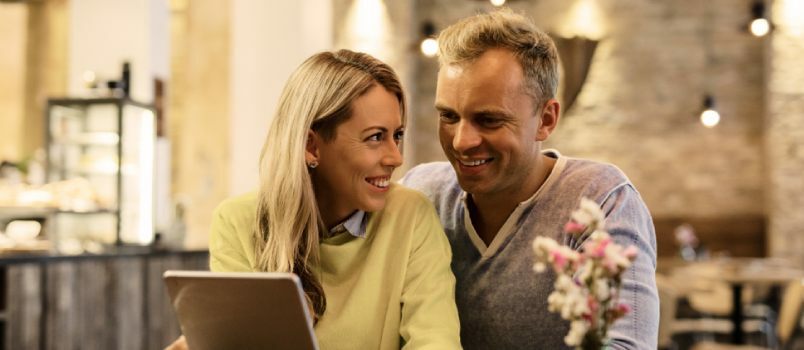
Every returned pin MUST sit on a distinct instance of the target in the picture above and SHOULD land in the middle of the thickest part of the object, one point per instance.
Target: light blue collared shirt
(354, 224)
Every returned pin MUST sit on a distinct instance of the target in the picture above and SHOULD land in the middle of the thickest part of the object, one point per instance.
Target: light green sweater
(389, 290)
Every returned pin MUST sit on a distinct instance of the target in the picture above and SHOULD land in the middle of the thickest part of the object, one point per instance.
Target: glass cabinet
(100, 161)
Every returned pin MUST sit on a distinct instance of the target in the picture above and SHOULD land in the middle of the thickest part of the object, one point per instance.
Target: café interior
(123, 124)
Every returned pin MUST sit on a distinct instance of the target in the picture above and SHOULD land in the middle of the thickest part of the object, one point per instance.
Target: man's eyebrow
(499, 112)
(443, 108)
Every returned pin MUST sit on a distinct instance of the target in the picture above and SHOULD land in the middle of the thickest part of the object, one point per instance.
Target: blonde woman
(373, 259)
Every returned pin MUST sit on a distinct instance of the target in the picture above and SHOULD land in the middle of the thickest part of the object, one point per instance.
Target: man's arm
(629, 223)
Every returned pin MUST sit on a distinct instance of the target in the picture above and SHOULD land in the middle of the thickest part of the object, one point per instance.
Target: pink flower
(588, 281)
(559, 260)
(631, 252)
(623, 308)
(574, 228)
(597, 249)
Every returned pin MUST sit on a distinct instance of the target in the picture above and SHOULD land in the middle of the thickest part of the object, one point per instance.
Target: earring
(312, 164)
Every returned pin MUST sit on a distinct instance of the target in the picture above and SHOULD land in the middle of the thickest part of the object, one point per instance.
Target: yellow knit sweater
(393, 289)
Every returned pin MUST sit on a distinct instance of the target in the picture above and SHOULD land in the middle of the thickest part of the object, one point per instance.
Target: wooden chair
(786, 326)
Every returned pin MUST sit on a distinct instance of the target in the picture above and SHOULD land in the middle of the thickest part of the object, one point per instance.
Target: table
(739, 272)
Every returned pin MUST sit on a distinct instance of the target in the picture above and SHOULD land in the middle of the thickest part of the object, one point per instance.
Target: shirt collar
(355, 225)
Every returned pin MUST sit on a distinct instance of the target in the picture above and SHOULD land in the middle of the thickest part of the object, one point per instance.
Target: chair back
(790, 310)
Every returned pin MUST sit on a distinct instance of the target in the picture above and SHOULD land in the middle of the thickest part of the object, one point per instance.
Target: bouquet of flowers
(588, 281)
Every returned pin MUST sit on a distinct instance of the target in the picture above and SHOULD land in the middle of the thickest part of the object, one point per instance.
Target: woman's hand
(179, 344)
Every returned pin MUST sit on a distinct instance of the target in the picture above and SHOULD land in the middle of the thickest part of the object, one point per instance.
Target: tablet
(249, 310)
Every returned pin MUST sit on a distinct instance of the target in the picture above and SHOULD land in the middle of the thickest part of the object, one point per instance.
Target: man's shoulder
(430, 177)
(585, 173)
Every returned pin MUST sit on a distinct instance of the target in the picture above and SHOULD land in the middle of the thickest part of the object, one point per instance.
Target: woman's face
(355, 167)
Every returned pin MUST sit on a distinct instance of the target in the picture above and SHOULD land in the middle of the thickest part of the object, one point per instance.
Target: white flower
(564, 283)
(578, 329)
(555, 301)
(601, 287)
(589, 214)
(539, 267)
(587, 270)
(575, 303)
(587, 281)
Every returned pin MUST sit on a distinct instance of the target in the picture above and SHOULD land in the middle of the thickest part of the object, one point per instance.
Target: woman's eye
(398, 135)
(375, 137)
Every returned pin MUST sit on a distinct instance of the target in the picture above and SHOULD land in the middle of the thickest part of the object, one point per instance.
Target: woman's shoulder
(237, 209)
(400, 197)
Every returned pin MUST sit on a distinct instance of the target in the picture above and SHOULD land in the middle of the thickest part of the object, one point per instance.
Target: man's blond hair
(468, 39)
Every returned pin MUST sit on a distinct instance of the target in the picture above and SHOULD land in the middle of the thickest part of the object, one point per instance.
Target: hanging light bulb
(497, 3)
(429, 45)
(760, 26)
(709, 117)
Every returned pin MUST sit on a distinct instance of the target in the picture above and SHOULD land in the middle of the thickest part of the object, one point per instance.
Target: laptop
(234, 310)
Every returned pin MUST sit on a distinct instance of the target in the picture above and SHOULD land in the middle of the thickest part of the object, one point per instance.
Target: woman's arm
(429, 315)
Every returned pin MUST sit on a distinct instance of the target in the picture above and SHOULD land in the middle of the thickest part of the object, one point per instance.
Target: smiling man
(496, 104)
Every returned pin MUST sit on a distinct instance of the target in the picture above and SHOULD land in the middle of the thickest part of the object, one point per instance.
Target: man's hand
(179, 344)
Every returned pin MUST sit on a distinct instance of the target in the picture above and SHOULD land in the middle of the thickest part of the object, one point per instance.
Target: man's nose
(466, 137)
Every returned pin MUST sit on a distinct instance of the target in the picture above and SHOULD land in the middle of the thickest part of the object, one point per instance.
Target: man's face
(489, 126)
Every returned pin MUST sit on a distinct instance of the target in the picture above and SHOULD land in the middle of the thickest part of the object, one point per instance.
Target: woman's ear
(311, 153)
(548, 119)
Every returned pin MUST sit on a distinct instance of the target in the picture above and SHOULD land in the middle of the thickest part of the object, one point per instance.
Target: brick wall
(639, 107)
(784, 132)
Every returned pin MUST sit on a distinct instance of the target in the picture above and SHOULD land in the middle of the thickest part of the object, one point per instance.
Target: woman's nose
(393, 156)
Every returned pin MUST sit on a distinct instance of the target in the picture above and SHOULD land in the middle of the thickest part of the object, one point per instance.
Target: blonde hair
(318, 96)
(470, 37)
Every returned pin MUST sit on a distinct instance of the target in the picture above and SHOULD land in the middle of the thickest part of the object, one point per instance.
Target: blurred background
(123, 123)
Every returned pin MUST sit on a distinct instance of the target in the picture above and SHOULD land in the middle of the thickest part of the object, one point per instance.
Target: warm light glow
(584, 20)
(429, 47)
(89, 77)
(104, 165)
(497, 3)
(760, 27)
(102, 138)
(146, 159)
(710, 118)
(792, 16)
(369, 28)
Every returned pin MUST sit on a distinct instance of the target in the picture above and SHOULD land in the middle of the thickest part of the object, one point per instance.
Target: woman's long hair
(318, 96)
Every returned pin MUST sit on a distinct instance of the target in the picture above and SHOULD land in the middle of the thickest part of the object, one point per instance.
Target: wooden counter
(114, 300)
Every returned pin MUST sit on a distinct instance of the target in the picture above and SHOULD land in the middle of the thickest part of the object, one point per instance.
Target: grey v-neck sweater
(502, 303)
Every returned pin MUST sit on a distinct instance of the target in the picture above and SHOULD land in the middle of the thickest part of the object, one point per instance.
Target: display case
(100, 155)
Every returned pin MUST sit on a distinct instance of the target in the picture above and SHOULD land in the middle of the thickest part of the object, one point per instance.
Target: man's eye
(447, 117)
(490, 122)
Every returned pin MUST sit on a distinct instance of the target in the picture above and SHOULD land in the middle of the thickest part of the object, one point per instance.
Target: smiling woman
(357, 163)
(372, 256)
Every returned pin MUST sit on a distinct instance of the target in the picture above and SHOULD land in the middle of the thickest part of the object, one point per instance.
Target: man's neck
(490, 211)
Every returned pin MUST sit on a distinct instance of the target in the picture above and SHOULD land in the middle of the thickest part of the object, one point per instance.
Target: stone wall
(392, 43)
(33, 67)
(198, 123)
(640, 104)
(784, 133)
(12, 84)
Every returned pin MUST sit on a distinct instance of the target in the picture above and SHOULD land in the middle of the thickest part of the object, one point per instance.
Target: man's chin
(472, 186)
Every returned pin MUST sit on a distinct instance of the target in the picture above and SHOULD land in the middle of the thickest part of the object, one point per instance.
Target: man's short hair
(470, 37)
